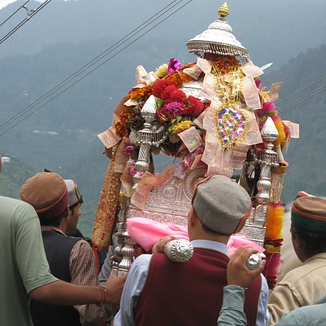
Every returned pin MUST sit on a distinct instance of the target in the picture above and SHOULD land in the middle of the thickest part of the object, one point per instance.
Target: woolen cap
(73, 192)
(309, 213)
(47, 193)
(221, 204)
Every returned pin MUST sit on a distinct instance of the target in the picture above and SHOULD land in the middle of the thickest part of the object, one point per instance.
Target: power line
(94, 61)
(14, 12)
(317, 91)
(30, 14)
(300, 90)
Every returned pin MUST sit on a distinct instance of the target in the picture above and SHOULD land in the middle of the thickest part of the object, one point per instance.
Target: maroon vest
(189, 293)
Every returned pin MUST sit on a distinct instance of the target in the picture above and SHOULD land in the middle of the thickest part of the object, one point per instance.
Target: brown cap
(47, 193)
(221, 204)
(309, 213)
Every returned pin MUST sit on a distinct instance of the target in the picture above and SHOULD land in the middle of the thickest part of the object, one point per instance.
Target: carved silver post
(150, 135)
(144, 138)
(125, 246)
(254, 228)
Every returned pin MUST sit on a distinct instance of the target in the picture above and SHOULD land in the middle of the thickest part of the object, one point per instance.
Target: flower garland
(175, 109)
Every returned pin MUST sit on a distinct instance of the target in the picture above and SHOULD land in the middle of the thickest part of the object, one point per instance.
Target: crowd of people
(49, 277)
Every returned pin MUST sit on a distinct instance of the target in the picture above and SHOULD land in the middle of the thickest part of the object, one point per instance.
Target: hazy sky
(3, 3)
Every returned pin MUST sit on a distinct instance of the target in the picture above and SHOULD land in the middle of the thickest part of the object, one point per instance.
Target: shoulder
(81, 245)
(313, 315)
(303, 273)
(17, 207)
(142, 261)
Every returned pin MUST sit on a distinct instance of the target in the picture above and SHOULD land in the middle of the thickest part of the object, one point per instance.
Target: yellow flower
(161, 71)
(181, 126)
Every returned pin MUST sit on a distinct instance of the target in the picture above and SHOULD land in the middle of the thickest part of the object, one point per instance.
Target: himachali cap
(309, 213)
(221, 204)
(47, 193)
(218, 39)
(73, 192)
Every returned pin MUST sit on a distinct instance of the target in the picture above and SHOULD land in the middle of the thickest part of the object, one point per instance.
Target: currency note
(109, 137)
(250, 92)
(273, 92)
(293, 128)
(191, 138)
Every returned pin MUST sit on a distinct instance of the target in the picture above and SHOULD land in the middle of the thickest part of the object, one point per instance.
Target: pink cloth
(147, 232)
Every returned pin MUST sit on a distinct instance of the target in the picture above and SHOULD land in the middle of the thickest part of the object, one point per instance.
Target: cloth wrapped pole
(107, 208)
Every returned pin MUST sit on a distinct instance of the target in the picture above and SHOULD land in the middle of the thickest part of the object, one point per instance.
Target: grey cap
(73, 191)
(221, 204)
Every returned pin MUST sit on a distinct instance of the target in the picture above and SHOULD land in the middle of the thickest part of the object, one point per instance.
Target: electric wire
(14, 12)
(91, 63)
(300, 90)
(85, 67)
(30, 14)
(315, 92)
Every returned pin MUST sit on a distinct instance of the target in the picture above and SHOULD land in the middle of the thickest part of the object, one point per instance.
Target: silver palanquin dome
(218, 39)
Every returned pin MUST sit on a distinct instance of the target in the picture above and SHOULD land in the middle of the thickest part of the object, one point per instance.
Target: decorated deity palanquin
(214, 117)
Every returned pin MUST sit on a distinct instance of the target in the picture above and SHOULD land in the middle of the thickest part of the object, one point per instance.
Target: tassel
(274, 221)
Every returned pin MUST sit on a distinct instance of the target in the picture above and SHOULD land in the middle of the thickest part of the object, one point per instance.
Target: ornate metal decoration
(218, 39)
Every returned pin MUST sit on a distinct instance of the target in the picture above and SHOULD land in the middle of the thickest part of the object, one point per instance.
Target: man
(70, 259)
(303, 285)
(24, 270)
(74, 211)
(240, 277)
(161, 292)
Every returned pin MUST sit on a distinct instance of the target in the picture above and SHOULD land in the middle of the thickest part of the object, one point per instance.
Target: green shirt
(23, 265)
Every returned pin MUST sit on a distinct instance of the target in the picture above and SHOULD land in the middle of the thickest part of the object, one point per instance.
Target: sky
(4, 3)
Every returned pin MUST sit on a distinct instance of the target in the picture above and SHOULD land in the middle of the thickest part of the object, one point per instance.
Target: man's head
(221, 205)
(74, 202)
(47, 193)
(308, 228)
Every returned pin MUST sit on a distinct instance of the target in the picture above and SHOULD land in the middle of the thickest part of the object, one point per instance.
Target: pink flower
(173, 65)
(174, 109)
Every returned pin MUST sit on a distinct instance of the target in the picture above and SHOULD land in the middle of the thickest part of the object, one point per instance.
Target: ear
(192, 217)
(66, 213)
(299, 242)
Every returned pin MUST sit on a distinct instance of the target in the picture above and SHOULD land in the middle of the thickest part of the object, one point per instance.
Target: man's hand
(237, 271)
(114, 286)
(159, 246)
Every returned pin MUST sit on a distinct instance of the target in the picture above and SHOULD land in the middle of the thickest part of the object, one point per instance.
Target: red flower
(178, 96)
(193, 106)
(159, 87)
(166, 94)
(163, 115)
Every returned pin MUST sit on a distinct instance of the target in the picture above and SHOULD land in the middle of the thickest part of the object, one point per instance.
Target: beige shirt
(300, 287)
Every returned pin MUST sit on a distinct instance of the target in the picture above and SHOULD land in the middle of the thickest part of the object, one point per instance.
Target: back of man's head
(47, 193)
(308, 218)
(221, 204)
(309, 213)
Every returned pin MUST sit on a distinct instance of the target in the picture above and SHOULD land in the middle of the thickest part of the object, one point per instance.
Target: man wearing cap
(70, 259)
(24, 270)
(306, 284)
(161, 292)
